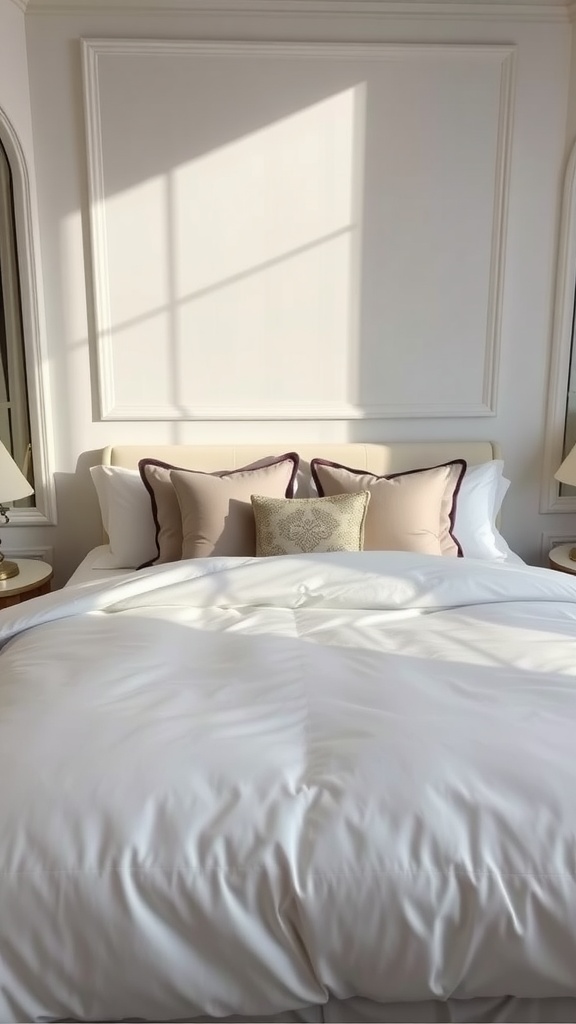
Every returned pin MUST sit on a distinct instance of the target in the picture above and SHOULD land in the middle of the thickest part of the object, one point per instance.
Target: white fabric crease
(247, 786)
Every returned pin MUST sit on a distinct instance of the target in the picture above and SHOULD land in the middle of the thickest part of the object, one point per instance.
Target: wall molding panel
(44, 553)
(500, 224)
(552, 540)
(264, 297)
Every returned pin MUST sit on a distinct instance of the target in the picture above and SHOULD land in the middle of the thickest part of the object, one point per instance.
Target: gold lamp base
(8, 569)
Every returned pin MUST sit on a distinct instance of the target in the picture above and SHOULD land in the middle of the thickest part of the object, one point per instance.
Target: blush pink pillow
(217, 514)
(412, 511)
(166, 512)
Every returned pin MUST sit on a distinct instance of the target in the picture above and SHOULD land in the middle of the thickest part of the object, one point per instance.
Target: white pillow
(127, 517)
(506, 552)
(478, 503)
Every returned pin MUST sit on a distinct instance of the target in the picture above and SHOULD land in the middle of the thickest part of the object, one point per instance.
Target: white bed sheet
(259, 785)
(89, 572)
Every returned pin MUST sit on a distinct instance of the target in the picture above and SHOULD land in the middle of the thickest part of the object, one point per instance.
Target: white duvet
(245, 786)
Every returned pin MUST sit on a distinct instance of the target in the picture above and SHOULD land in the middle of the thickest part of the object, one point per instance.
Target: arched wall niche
(43, 509)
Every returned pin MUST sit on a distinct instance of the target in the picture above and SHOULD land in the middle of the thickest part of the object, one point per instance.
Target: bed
(327, 786)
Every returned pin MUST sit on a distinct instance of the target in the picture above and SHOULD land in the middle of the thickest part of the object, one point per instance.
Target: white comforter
(246, 785)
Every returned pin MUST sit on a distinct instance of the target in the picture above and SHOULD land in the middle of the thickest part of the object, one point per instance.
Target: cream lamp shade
(566, 474)
(13, 485)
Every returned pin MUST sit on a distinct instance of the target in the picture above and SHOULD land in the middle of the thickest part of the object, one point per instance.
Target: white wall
(538, 144)
(14, 92)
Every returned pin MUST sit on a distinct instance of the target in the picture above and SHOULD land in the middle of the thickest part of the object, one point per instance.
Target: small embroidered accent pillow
(292, 526)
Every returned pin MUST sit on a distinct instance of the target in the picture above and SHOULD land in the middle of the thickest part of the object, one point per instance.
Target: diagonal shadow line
(227, 282)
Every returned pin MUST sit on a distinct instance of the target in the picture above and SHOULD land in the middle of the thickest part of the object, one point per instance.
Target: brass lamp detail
(13, 485)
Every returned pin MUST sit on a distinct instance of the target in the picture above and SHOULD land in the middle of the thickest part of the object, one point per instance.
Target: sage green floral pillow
(291, 526)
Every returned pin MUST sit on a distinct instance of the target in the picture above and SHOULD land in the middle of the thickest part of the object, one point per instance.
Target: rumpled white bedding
(247, 786)
(89, 569)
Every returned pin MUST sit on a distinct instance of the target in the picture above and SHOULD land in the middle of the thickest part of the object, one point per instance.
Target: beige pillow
(216, 512)
(290, 527)
(412, 511)
(166, 509)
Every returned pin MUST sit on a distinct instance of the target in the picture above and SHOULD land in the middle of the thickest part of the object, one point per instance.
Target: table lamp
(13, 485)
(566, 474)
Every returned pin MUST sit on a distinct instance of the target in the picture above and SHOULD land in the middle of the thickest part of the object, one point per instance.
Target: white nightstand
(32, 580)
(558, 558)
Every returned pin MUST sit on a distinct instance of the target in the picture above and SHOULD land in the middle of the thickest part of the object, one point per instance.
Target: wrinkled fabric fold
(249, 786)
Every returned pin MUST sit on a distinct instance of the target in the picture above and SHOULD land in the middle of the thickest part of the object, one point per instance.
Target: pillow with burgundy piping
(412, 511)
(216, 511)
(156, 476)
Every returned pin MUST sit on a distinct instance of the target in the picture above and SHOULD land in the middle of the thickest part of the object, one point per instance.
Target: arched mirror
(14, 409)
(569, 439)
(24, 412)
(561, 420)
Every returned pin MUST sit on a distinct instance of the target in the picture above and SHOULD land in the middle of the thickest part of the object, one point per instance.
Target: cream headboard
(375, 458)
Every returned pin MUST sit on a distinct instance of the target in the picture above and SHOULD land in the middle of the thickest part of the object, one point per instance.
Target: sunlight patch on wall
(241, 274)
(264, 197)
(140, 285)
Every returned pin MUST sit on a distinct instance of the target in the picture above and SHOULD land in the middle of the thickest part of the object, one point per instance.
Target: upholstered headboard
(375, 458)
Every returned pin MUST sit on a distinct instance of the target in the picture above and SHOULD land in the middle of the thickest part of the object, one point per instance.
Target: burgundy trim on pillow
(393, 476)
(260, 464)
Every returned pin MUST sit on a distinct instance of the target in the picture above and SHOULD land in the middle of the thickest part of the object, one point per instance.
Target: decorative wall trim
(42, 553)
(550, 498)
(308, 411)
(499, 231)
(99, 261)
(526, 10)
(36, 357)
(110, 407)
(551, 540)
(95, 48)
